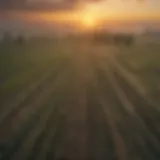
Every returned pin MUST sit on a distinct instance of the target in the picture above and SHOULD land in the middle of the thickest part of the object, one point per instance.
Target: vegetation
(70, 98)
(143, 60)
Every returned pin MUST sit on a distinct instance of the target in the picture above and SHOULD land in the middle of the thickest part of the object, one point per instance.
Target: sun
(89, 16)
(89, 21)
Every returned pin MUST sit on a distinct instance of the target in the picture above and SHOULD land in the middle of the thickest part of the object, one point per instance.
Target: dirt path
(76, 137)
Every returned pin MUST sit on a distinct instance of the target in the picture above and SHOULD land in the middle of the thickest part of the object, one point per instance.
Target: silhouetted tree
(7, 36)
(123, 39)
(20, 40)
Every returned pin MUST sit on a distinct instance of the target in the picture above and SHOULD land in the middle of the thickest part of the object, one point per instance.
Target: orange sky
(110, 11)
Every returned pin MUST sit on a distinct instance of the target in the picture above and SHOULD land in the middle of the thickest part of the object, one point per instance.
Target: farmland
(74, 99)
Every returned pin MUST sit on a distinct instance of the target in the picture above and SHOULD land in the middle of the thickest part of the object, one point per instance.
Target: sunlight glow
(90, 15)
(88, 21)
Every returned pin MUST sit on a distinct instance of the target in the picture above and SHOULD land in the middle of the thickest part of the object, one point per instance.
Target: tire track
(39, 131)
(113, 113)
(47, 144)
(25, 95)
(16, 140)
(137, 146)
(34, 99)
(76, 128)
(34, 136)
(148, 113)
(142, 105)
(100, 145)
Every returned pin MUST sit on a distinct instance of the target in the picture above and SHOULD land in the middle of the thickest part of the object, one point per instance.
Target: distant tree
(20, 39)
(102, 37)
(7, 36)
(126, 39)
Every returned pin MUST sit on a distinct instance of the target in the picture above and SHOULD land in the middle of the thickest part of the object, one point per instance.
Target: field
(77, 100)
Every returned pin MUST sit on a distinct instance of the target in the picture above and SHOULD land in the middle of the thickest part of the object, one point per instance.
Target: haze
(33, 15)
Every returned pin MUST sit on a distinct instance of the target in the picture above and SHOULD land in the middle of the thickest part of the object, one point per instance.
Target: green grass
(21, 66)
(144, 61)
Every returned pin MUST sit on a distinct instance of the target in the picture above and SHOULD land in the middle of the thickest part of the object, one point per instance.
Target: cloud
(33, 5)
(41, 5)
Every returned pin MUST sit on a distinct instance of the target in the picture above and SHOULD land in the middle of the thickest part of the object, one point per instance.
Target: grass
(21, 66)
(144, 60)
(60, 96)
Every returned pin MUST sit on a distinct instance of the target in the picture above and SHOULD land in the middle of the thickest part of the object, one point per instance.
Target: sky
(18, 13)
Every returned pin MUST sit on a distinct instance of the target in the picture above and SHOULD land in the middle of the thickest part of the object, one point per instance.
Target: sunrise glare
(87, 15)
(79, 79)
